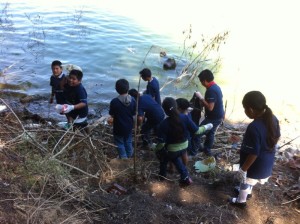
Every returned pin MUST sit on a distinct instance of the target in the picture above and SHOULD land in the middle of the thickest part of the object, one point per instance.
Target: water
(116, 39)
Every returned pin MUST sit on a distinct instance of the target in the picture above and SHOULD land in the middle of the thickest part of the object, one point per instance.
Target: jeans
(175, 158)
(124, 145)
(194, 145)
(210, 135)
(145, 131)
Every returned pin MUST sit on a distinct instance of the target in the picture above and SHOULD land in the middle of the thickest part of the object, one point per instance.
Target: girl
(258, 147)
(173, 139)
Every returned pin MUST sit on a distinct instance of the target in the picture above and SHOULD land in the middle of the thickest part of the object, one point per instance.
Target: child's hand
(241, 175)
(110, 120)
(199, 95)
(67, 108)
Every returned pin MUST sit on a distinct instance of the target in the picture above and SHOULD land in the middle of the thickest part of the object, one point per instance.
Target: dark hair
(145, 73)
(257, 102)
(206, 75)
(134, 93)
(56, 63)
(76, 73)
(182, 103)
(122, 86)
(176, 128)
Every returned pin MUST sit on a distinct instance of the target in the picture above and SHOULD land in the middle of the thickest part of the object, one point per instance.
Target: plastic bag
(205, 165)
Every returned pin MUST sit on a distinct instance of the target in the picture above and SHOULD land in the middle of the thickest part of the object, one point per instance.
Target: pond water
(116, 39)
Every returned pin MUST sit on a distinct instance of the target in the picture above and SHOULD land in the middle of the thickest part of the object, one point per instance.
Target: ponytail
(269, 121)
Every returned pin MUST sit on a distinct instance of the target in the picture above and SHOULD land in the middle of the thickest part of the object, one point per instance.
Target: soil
(127, 191)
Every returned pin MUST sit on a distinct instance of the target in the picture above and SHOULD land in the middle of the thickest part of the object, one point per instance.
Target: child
(149, 111)
(214, 110)
(183, 107)
(57, 82)
(173, 139)
(76, 107)
(152, 86)
(122, 110)
(258, 147)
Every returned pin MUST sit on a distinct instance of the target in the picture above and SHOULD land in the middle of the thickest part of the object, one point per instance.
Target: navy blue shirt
(57, 84)
(214, 94)
(153, 111)
(255, 143)
(153, 89)
(74, 95)
(123, 116)
(164, 133)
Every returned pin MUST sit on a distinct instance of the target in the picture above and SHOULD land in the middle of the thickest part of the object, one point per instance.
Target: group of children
(70, 95)
(171, 121)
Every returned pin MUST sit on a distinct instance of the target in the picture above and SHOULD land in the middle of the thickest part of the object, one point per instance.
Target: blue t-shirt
(153, 111)
(153, 89)
(254, 142)
(123, 116)
(214, 95)
(74, 95)
(57, 88)
(164, 132)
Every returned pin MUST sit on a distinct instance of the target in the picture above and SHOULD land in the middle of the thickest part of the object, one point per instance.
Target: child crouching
(173, 135)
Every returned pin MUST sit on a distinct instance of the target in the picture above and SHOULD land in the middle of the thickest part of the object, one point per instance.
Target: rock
(169, 64)
(162, 54)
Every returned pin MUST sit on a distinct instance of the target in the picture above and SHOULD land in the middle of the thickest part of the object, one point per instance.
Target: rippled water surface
(116, 39)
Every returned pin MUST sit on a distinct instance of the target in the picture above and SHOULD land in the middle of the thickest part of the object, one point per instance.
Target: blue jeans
(124, 145)
(194, 145)
(210, 135)
(175, 158)
(146, 130)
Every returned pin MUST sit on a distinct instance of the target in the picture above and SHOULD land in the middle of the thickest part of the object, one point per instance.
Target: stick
(289, 142)
(73, 167)
(298, 197)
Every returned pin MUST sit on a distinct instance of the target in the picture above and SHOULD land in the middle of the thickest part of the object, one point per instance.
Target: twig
(284, 203)
(73, 167)
(41, 147)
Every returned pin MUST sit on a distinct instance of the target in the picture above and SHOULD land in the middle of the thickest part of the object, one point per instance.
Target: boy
(122, 110)
(57, 82)
(76, 107)
(149, 110)
(213, 105)
(152, 86)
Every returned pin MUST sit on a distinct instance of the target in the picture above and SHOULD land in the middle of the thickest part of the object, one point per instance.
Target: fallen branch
(284, 203)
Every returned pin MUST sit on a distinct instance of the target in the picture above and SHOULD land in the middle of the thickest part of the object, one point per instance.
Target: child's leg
(128, 146)
(163, 165)
(119, 141)
(185, 158)
(171, 167)
(145, 131)
(175, 157)
(245, 189)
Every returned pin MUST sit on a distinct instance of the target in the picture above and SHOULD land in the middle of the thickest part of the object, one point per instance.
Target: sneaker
(67, 126)
(186, 182)
(237, 191)
(234, 201)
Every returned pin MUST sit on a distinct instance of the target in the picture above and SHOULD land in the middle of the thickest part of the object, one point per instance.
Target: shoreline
(39, 107)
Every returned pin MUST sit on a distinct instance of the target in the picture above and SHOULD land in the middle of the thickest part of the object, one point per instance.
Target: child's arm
(203, 128)
(79, 105)
(242, 173)
(68, 108)
(249, 161)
